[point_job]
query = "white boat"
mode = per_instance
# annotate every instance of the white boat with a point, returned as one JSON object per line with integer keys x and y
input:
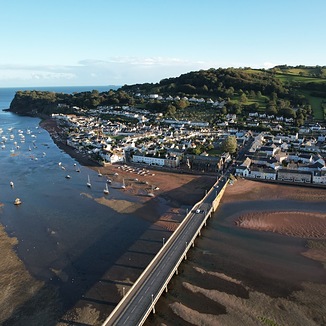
{"x": 88, "y": 182}
{"x": 68, "y": 176}
{"x": 99, "y": 173}
{"x": 106, "y": 189}
{"x": 17, "y": 201}
{"x": 151, "y": 194}
{"x": 123, "y": 186}
{"x": 11, "y": 184}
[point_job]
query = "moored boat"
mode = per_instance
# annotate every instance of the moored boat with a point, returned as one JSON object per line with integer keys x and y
{"x": 89, "y": 182}
{"x": 17, "y": 201}
{"x": 106, "y": 189}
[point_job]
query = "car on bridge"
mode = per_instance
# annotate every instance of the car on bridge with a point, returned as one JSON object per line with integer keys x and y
{"x": 197, "y": 210}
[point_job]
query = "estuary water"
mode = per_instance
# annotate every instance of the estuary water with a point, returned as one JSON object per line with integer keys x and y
{"x": 59, "y": 225}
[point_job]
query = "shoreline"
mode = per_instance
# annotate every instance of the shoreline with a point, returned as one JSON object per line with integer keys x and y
{"x": 176, "y": 193}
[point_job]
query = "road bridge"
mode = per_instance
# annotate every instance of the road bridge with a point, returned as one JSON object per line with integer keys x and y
{"x": 140, "y": 300}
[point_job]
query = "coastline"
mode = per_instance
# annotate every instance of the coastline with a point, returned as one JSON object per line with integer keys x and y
{"x": 155, "y": 217}
{"x": 219, "y": 283}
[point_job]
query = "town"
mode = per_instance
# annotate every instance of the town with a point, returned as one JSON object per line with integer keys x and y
{"x": 280, "y": 153}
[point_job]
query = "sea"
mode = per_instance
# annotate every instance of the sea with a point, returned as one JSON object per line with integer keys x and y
{"x": 65, "y": 237}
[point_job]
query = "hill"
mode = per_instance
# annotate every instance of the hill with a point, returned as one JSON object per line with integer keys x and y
{"x": 293, "y": 92}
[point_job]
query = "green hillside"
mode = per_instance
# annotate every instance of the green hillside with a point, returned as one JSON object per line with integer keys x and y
{"x": 291, "y": 92}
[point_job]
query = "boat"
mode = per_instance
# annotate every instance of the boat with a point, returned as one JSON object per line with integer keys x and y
{"x": 17, "y": 201}
{"x": 89, "y": 182}
{"x": 11, "y": 184}
{"x": 99, "y": 173}
{"x": 123, "y": 186}
{"x": 106, "y": 189}
{"x": 108, "y": 180}
{"x": 68, "y": 176}
{"x": 151, "y": 194}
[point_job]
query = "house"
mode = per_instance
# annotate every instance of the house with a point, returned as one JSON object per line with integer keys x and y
{"x": 294, "y": 176}
{"x": 243, "y": 169}
{"x": 262, "y": 173}
{"x": 319, "y": 177}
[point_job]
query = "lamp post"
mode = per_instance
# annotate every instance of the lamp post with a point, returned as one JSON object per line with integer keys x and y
{"x": 163, "y": 241}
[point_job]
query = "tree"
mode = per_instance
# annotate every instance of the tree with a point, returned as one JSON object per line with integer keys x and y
{"x": 229, "y": 144}
{"x": 243, "y": 98}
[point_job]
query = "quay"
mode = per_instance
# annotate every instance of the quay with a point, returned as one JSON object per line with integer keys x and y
{"x": 139, "y": 302}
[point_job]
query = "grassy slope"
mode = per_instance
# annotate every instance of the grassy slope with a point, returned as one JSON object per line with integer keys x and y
{"x": 292, "y": 75}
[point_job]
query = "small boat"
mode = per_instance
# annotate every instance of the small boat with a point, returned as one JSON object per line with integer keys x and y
{"x": 108, "y": 180}
{"x": 77, "y": 170}
{"x": 99, "y": 173}
{"x": 106, "y": 189}
{"x": 89, "y": 182}
{"x": 151, "y": 194}
{"x": 123, "y": 186}
{"x": 68, "y": 176}
{"x": 17, "y": 201}
{"x": 11, "y": 184}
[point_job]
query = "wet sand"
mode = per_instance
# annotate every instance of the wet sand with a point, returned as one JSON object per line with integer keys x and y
{"x": 272, "y": 272}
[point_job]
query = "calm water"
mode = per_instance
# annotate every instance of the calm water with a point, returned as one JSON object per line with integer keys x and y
{"x": 59, "y": 224}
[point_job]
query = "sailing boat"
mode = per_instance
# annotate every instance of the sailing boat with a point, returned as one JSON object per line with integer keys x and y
{"x": 99, "y": 173}
{"x": 106, "y": 189}
{"x": 123, "y": 184}
{"x": 151, "y": 194}
{"x": 89, "y": 182}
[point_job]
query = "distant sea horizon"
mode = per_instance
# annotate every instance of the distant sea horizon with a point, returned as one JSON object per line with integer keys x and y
{"x": 74, "y": 88}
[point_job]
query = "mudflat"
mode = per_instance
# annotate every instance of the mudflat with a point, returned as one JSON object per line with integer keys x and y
{"x": 261, "y": 261}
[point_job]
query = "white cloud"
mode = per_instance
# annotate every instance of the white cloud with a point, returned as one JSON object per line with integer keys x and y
{"x": 112, "y": 71}
{"x": 268, "y": 65}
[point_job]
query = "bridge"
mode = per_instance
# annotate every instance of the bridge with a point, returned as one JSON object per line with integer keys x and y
{"x": 140, "y": 300}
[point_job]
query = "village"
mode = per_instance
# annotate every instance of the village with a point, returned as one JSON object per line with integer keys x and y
{"x": 194, "y": 146}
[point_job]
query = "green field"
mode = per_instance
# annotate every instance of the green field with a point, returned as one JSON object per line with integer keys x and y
{"x": 287, "y": 78}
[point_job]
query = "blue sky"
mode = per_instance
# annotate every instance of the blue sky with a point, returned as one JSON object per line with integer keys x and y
{"x": 104, "y": 42}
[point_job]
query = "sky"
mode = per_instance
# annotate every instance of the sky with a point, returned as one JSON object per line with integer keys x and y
{"x": 105, "y": 42}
